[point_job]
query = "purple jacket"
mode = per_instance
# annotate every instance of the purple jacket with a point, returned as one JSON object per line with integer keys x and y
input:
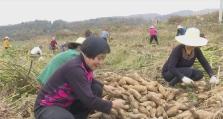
{"x": 71, "y": 82}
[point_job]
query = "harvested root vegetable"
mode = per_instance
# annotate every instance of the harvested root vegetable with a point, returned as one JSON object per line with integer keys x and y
{"x": 142, "y": 109}
{"x": 138, "y": 77}
{"x": 159, "y": 111}
{"x": 155, "y": 99}
{"x": 170, "y": 95}
{"x": 114, "y": 112}
{"x": 153, "y": 112}
{"x": 96, "y": 115}
{"x": 148, "y": 103}
{"x": 136, "y": 116}
{"x": 135, "y": 93}
{"x": 122, "y": 82}
{"x": 139, "y": 88}
{"x": 162, "y": 90}
{"x": 202, "y": 114}
{"x": 151, "y": 88}
{"x": 133, "y": 102}
{"x": 135, "y": 111}
{"x": 130, "y": 81}
{"x": 173, "y": 111}
{"x": 126, "y": 107}
{"x": 184, "y": 115}
{"x": 143, "y": 98}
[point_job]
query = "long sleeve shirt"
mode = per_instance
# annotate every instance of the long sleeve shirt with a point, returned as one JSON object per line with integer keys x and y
{"x": 6, "y": 44}
{"x": 71, "y": 82}
{"x": 55, "y": 63}
{"x": 176, "y": 60}
{"x": 180, "y": 31}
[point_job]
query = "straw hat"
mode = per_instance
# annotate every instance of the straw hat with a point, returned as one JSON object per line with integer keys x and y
{"x": 192, "y": 38}
{"x": 80, "y": 40}
{"x": 179, "y": 26}
{"x": 6, "y": 37}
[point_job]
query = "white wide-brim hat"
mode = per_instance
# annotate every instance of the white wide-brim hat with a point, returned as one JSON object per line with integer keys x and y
{"x": 80, "y": 40}
{"x": 192, "y": 38}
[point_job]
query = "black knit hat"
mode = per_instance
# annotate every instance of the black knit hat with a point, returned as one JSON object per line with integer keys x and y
{"x": 94, "y": 46}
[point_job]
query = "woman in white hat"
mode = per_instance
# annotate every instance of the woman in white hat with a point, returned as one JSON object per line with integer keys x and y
{"x": 178, "y": 67}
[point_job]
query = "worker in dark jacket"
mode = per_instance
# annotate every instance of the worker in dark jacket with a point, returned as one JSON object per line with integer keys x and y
{"x": 178, "y": 67}
{"x": 180, "y": 30}
{"x": 72, "y": 92}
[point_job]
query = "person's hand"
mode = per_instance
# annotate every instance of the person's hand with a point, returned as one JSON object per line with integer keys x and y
{"x": 118, "y": 103}
{"x": 214, "y": 80}
{"x": 187, "y": 80}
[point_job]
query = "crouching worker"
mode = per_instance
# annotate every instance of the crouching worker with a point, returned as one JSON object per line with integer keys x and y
{"x": 36, "y": 53}
{"x": 178, "y": 67}
{"x": 72, "y": 92}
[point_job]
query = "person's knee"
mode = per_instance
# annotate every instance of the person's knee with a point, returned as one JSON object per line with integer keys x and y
{"x": 62, "y": 116}
{"x": 54, "y": 112}
{"x": 168, "y": 76}
{"x": 198, "y": 76}
{"x": 168, "y": 79}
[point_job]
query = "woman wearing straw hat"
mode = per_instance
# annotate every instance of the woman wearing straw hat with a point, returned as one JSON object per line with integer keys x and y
{"x": 5, "y": 43}
{"x": 178, "y": 67}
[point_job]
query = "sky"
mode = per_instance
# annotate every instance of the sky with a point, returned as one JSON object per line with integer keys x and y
{"x": 17, "y": 11}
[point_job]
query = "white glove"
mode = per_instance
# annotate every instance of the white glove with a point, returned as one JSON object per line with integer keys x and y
{"x": 214, "y": 80}
{"x": 187, "y": 80}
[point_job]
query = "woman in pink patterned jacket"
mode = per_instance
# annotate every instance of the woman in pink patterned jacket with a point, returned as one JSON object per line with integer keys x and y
{"x": 153, "y": 34}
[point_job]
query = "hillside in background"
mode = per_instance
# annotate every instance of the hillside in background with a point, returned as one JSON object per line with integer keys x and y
{"x": 28, "y": 30}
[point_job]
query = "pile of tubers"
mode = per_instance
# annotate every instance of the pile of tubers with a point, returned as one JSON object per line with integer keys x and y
{"x": 147, "y": 99}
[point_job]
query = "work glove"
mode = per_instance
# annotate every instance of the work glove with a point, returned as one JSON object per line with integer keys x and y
{"x": 187, "y": 80}
{"x": 214, "y": 80}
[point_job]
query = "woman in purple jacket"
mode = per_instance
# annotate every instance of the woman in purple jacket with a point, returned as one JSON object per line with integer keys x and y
{"x": 72, "y": 92}
{"x": 178, "y": 67}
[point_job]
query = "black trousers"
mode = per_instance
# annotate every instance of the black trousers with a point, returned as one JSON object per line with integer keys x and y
{"x": 194, "y": 74}
{"x": 76, "y": 111}
{"x": 154, "y": 37}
